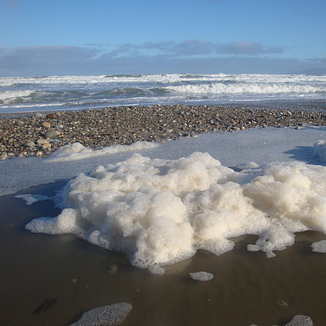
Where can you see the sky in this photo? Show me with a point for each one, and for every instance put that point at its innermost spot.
(102, 37)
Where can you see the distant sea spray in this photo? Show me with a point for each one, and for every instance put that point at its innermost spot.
(51, 93)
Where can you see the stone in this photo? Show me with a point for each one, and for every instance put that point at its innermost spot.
(3, 156)
(50, 116)
(30, 144)
(42, 141)
(47, 145)
(46, 124)
(50, 134)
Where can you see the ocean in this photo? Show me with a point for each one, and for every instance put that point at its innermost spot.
(52, 93)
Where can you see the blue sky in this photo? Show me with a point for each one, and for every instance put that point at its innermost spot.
(92, 37)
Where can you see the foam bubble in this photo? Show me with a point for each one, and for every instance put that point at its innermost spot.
(31, 199)
(109, 315)
(201, 276)
(319, 246)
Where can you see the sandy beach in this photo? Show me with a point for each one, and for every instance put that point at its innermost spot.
(53, 280)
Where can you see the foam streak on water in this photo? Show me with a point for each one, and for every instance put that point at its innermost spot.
(30, 94)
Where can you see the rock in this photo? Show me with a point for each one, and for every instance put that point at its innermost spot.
(3, 156)
(42, 141)
(30, 144)
(47, 145)
(39, 154)
(46, 124)
(50, 116)
(50, 134)
(38, 115)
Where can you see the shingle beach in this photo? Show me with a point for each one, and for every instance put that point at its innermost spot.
(39, 134)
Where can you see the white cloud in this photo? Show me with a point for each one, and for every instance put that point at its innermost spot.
(195, 47)
(193, 56)
(248, 48)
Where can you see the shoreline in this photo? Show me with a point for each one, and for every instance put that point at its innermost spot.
(39, 134)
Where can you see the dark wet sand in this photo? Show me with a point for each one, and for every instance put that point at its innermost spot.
(75, 276)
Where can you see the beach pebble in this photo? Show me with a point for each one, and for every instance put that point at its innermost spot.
(3, 156)
(46, 145)
(282, 303)
(42, 141)
(30, 144)
(50, 134)
(46, 124)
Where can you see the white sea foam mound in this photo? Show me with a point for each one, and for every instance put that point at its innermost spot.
(201, 276)
(110, 315)
(320, 150)
(160, 211)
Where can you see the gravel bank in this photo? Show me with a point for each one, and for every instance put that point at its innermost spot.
(40, 134)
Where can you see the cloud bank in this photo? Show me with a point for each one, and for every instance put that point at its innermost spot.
(190, 56)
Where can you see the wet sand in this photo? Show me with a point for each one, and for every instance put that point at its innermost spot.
(69, 276)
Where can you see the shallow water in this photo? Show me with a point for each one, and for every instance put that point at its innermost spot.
(72, 276)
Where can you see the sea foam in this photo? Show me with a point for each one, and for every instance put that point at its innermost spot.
(320, 150)
(159, 212)
(109, 315)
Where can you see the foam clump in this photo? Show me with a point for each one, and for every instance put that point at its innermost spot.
(77, 151)
(320, 150)
(31, 199)
(109, 315)
(319, 246)
(298, 320)
(159, 212)
(201, 276)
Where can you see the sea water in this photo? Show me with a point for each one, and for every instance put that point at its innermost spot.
(51, 93)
